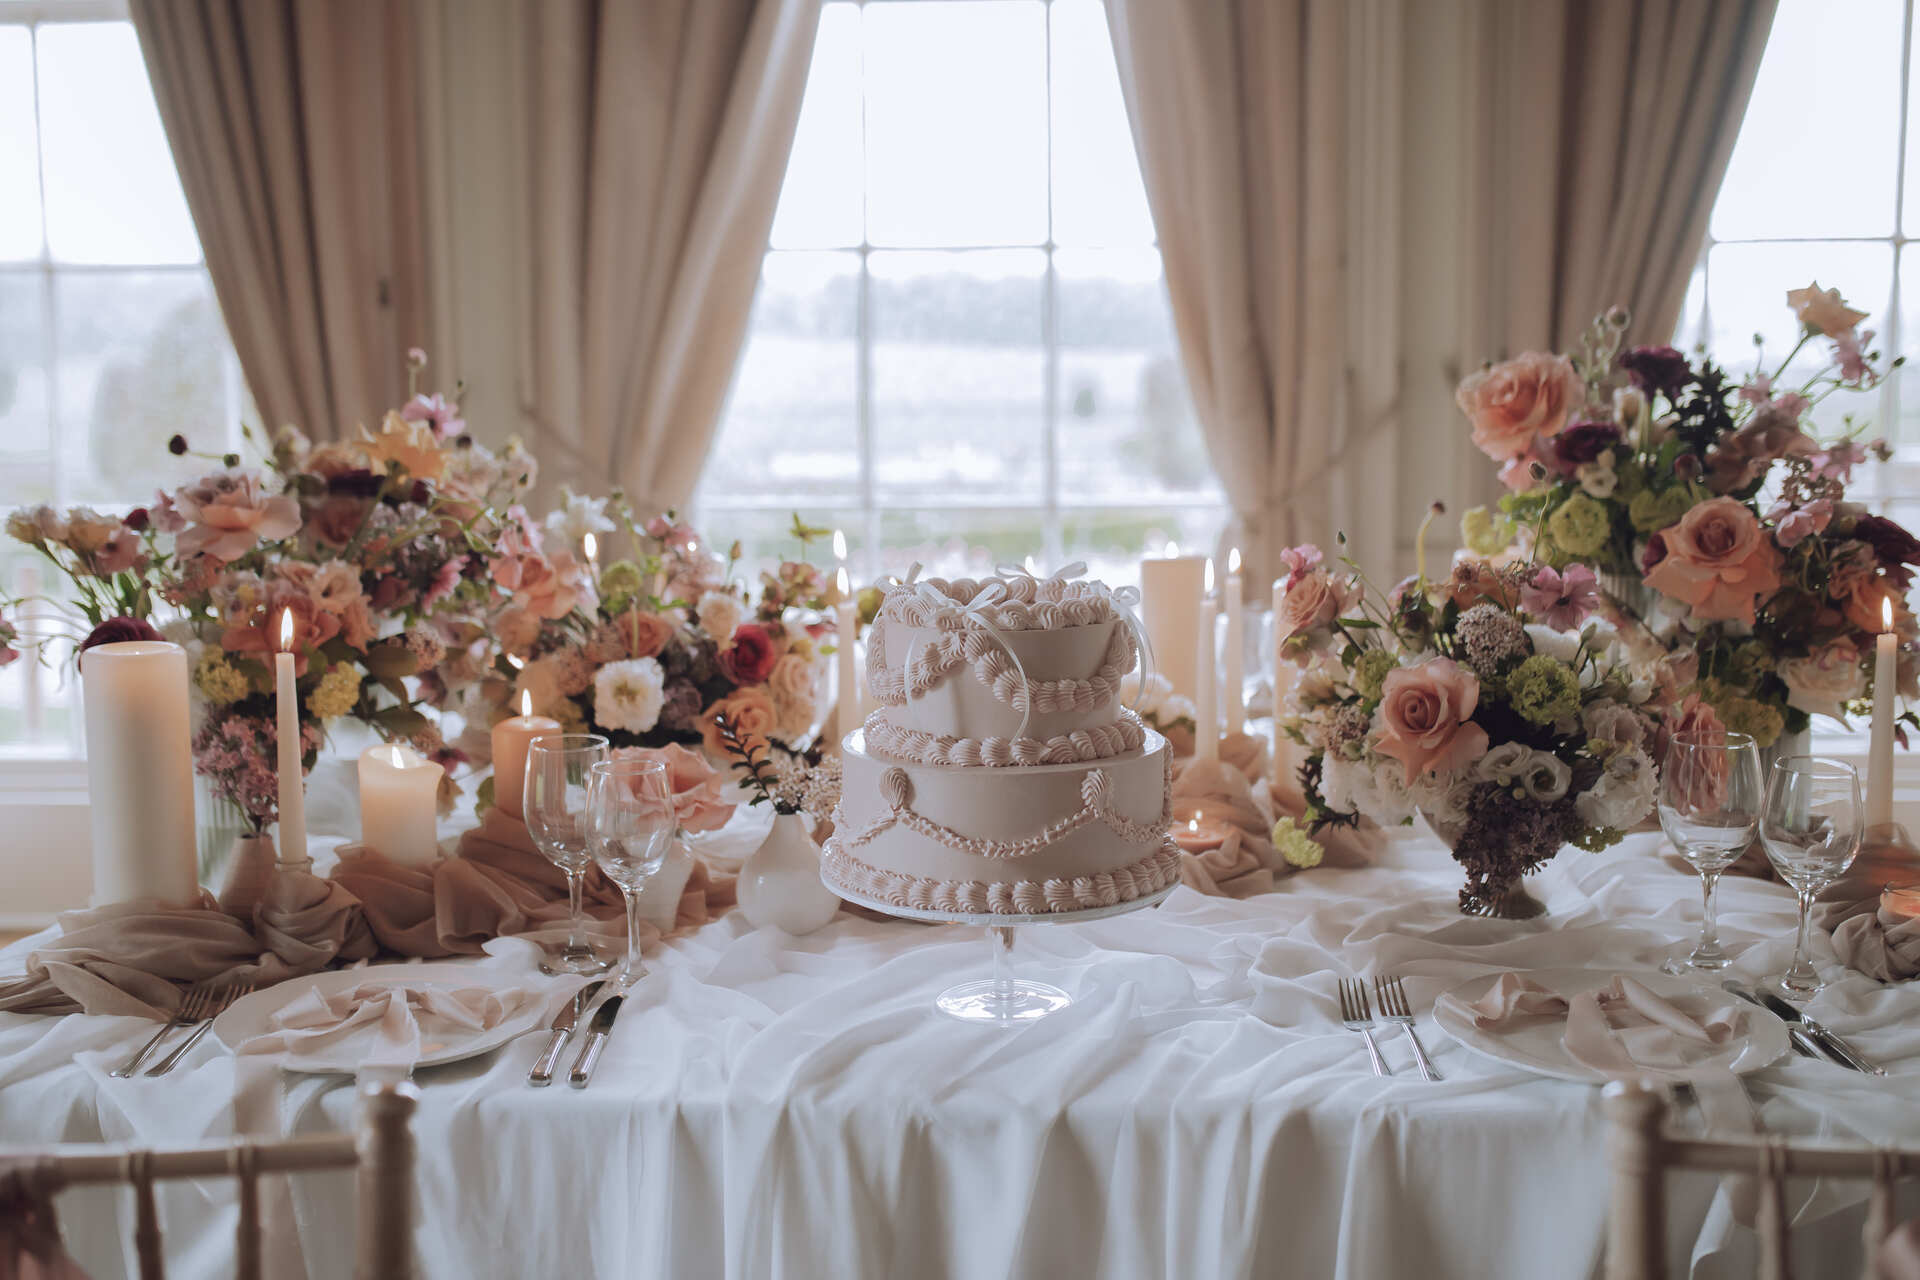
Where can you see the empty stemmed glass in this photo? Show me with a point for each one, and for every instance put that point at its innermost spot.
(1709, 803)
(630, 824)
(1811, 828)
(556, 806)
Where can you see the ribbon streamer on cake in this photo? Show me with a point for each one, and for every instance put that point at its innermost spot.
(1065, 573)
(973, 614)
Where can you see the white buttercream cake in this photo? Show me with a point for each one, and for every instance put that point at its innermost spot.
(1001, 774)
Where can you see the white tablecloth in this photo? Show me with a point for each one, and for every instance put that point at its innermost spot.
(794, 1107)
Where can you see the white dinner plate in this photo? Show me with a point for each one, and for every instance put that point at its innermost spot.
(1535, 1043)
(249, 1016)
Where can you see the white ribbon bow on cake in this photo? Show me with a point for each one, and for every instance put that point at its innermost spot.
(971, 614)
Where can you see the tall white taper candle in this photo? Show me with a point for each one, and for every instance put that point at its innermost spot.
(293, 790)
(1233, 683)
(139, 772)
(845, 623)
(1880, 745)
(1206, 714)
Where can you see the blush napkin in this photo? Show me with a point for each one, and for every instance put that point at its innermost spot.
(384, 1024)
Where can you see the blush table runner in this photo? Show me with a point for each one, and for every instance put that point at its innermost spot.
(771, 1105)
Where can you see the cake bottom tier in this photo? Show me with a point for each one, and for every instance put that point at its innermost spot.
(1143, 878)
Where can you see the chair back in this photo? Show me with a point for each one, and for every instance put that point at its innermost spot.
(380, 1151)
(1640, 1152)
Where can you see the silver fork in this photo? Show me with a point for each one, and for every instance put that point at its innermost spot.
(1357, 1016)
(1392, 998)
(222, 1001)
(192, 1007)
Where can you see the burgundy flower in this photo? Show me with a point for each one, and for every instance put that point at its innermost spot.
(1660, 369)
(357, 483)
(750, 657)
(116, 630)
(1892, 546)
(1583, 442)
(137, 519)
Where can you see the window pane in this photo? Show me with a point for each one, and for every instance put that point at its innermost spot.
(959, 543)
(1126, 427)
(958, 374)
(766, 537)
(112, 193)
(1747, 294)
(139, 360)
(1907, 430)
(790, 423)
(1113, 540)
(1788, 137)
(820, 204)
(19, 158)
(956, 122)
(26, 465)
(1098, 197)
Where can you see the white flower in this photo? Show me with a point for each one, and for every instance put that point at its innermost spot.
(1629, 411)
(577, 516)
(719, 614)
(1340, 781)
(1818, 683)
(1609, 721)
(1503, 763)
(1177, 707)
(1546, 777)
(627, 695)
(1561, 646)
(1148, 699)
(1444, 803)
(1597, 478)
(1622, 795)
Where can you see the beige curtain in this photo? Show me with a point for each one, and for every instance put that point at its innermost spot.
(1274, 136)
(296, 133)
(1608, 154)
(657, 136)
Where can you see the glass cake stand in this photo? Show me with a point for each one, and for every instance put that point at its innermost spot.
(1001, 1000)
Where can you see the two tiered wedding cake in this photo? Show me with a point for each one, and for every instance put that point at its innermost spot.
(1001, 774)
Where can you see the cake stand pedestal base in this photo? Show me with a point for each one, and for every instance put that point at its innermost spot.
(1002, 999)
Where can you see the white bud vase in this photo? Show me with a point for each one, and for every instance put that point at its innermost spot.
(780, 884)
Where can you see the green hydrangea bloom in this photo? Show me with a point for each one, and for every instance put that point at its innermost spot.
(220, 680)
(1297, 847)
(1754, 718)
(620, 582)
(1580, 526)
(1484, 533)
(1543, 690)
(1649, 511)
(1370, 672)
(336, 693)
(1595, 839)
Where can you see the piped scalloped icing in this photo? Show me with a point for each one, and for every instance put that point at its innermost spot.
(1137, 879)
(1025, 604)
(1094, 742)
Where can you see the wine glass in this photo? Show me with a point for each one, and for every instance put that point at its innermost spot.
(1811, 827)
(556, 805)
(1709, 802)
(630, 822)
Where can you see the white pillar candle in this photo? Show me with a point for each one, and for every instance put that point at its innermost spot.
(1206, 714)
(510, 739)
(140, 772)
(1880, 746)
(292, 778)
(1233, 683)
(847, 683)
(399, 793)
(1170, 591)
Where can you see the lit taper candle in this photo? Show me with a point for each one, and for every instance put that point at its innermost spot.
(1880, 746)
(1206, 712)
(292, 779)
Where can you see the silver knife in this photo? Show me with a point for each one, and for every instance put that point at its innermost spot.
(1838, 1049)
(596, 1040)
(1802, 1042)
(563, 1024)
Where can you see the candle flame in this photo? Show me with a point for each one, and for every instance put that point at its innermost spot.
(592, 546)
(526, 702)
(840, 580)
(516, 662)
(693, 545)
(286, 629)
(839, 545)
(1173, 549)
(1209, 578)
(1193, 825)
(1233, 561)
(1886, 610)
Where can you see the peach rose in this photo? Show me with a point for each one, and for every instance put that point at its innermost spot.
(1513, 404)
(1425, 721)
(645, 634)
(750, 712)
(257, 634)
(1824, 310)
(517, 630)
(549, 586)
(411, 444)
(698, 787)
(1717, 559)
(791, 682)
(227, 514)
(1473, 581)
(1691, 718)
(1862, 598)
(1313, 600)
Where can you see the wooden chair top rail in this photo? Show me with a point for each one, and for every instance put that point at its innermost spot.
(79, 1163)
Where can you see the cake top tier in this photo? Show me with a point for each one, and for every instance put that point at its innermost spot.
(1011, 602)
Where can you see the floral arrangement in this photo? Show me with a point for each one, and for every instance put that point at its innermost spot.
(700, 793)
(378, 548)
(791, 781)
(1492, 702)
(1715, 516)
(660, 647)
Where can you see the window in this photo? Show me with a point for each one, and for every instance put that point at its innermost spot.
(961, 351)
(1808, 196)
(110, 339)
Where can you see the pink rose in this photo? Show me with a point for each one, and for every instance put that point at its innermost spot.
(259, 635)
(791, 682)
(550, 586)
(1717, 559)
(1425, 718)
(1301, 559)
(1792, 526)
(1514, 404)
(644, 634)
(1313, 600)
(698, 787)
(225, 515)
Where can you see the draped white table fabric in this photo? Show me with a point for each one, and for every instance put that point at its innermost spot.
(775, 1107)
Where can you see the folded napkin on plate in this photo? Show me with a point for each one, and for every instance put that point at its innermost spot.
(384, 1023)
(30, 1243)
(136, 958)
